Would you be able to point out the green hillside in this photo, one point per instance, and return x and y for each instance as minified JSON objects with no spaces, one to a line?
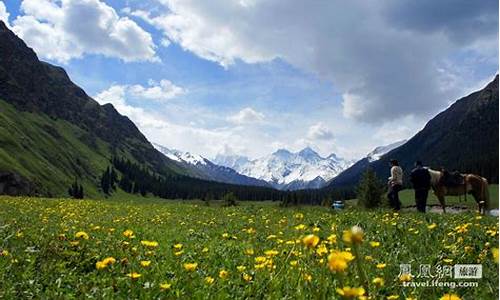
{"x":50,"y":152}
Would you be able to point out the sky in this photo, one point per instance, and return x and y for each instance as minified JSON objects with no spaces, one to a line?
{"x":248,"y":77}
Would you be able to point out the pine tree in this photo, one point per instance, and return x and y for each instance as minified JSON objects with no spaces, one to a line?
{"x":80,"y":192}
{"x":105,"y":181}
{"x":370,"y":190}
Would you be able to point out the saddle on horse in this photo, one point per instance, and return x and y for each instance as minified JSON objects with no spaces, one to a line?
{"x":452,"y":179}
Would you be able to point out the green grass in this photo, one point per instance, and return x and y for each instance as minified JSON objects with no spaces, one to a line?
{"x":43,"y":258}
{"x":51,"y":153}
{"x":407,"y":198}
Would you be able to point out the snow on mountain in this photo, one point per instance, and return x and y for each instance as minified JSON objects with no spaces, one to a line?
{"x":180,"y":156}
{"x":378,"y":152}
{"x":288,"y":170}
{"x":205,"y":169}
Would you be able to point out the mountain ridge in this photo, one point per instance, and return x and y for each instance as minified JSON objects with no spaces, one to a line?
{"x":464,"y":137}
{"x":286,"y":170}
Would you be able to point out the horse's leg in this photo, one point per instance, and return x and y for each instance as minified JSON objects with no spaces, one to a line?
{"x":440,"y":197}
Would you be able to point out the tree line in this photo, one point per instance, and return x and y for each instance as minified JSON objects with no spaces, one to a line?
{"x":134,"y":178}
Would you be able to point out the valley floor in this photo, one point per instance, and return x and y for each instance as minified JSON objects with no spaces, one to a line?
{"x":62,"y":248}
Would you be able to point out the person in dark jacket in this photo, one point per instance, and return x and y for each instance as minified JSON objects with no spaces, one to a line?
{"x":421,"y":181}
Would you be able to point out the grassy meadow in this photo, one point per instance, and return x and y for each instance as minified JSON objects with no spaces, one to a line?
{"x":145,"y":249}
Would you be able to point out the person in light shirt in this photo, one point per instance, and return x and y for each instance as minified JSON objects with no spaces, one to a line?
{"x":395,"y":183}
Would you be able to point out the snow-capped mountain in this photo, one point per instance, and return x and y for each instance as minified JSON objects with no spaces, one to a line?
{"x":351,"y":174}
{"x":378,"y":152}
{"x":205,"y":169}
{"x":287,"y":170}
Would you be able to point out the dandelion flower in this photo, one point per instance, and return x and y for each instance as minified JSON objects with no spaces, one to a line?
{"x":271,"y":252}
{"x":209,"y":280}
{"x":349,"y":292}
{"x":392,"y":297}
{"x":128,"y":234}
{"x":149,"y":244}
{"x":381,"y":266}
{"x":405,"y":277}
{"x":432,"y":226}
{"x":249,"y":251}
{"x":311,"y":240}
{"x":100,"y":265}
{"x":134,"y":275}
{"x":82,"y":235}
{"x":322,"y":250}
{"x":223,"y":274}
{"x":190,"y":266}
{"x":450,"y":297}
{"x":374,"y":244}
{"x":260,"y":259}
{"x":378,"y":281}
{"x":145,"y":263}
{"x":178,"y":246}
{"x":165,"y":286}
{"x":241,"y":268}
{"x":354,"y":235}
{"x":494,"y":252}
{"x":338,"y":260}
{"x":247,"y":277}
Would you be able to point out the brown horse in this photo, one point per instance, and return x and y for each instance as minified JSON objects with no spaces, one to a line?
{"x":475,"y":185}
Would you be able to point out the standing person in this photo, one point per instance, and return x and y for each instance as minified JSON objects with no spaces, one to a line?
{"x":421,"y":181}
{"x":395,"y":185}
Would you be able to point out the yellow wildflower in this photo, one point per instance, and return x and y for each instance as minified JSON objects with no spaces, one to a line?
{"x":190,"y":266}
{"x":247,"y":277}
{"x":310,"y":240}
{"x":145,"y":263}
{"x":149,"y":244}
{"x":494,"y":252}
{"x":378,"y":281}
{"x":241,"y":268}
{"x":381,"y":266}
{"x":432,"y":226}
{"x":271,"y":252}
{"x":209,"y":280}
{"x":249,"y":251}
{"x":405,"y":277}
{"x":260,"y":259}
{"x":128,"y":234}
{"x":374,"y":244}
{"x":322,"y":250}
{"x":134,"y":275}
{"x":450,"y":297}
{"x":82,"y":235}
{"x":178,"y":246}
{"x":165,"y":286}
{"x":338,"y":260}
{"x":354,"y":235}
{"x":223,"y":274}
{"x":349,"y":292}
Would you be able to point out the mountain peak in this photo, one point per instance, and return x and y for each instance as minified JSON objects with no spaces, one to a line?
{"x":282,"y":152}
{"x":308,"y":152}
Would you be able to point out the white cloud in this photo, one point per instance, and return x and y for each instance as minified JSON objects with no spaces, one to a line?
{"x":161,"y":91}
{"x":319,"y":132}
{"x":61,"y":30}
{"x":246,"y":116}
{"x":189,"y":136}
{"x":386,"y":66}
{"x":116,"y":95}
{"x":4,"y":15}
